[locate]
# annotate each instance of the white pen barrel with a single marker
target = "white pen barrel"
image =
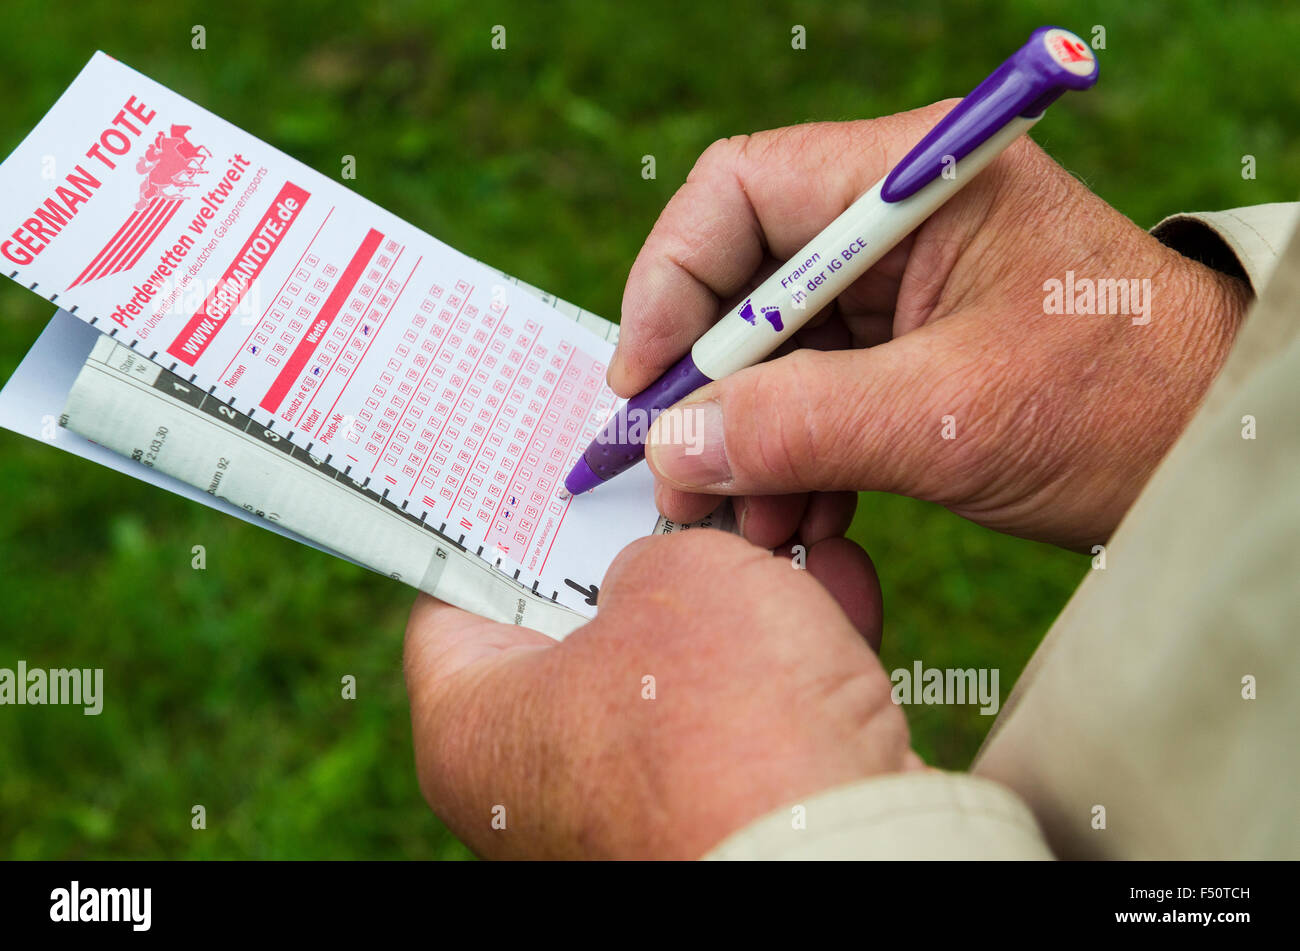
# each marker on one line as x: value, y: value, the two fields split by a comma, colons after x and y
x: 833, y: 260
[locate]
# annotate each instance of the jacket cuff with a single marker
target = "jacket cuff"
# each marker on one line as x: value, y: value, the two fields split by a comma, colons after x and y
x: 1243, y: 242
x: 925, y: 814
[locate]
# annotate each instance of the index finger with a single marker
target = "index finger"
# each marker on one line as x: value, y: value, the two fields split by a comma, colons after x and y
x: 746, y: 198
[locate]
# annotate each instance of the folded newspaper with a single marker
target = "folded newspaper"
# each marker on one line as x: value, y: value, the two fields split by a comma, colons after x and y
x: 238, y: 328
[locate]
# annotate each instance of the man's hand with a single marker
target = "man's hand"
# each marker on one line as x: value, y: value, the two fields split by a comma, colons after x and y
x: 765, y: 689
x: 1054, y: 422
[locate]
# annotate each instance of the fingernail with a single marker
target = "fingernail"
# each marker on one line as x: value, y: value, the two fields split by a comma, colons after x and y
x: 685, y: 445
x: 740, y: 507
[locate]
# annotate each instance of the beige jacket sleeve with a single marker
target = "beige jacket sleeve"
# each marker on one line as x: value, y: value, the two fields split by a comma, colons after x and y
x: 1156, y: 719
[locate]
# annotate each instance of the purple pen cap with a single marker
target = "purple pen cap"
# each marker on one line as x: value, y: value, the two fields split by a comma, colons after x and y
x: 1052, y: 62
x: 621, y: 444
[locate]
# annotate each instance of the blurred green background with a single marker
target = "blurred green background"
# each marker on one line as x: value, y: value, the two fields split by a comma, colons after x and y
x: 529, y: 159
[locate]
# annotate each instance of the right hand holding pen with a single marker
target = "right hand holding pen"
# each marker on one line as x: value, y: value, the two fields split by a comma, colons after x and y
x: 940, y: 374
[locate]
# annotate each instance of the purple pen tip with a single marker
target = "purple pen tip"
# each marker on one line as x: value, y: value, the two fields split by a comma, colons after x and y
x: 581, y: 479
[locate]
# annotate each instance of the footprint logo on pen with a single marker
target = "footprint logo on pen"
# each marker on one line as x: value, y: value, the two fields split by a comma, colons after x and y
x: 773, y: 315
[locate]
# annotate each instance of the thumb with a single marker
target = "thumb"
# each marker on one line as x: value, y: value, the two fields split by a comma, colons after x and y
x: 442, y: 642
x: 863, y: 420
x: 447, y: 655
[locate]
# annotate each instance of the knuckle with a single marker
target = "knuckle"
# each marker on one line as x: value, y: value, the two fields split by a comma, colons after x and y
x: 635, y: 556
x: 721, y: 154
x: 650, y: 334
x: 679, y: 561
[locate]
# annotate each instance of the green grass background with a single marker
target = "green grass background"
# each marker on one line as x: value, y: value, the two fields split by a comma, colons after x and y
x: 223, y: 685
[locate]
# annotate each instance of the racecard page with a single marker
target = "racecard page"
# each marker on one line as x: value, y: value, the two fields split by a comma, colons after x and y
x: 418, y: 374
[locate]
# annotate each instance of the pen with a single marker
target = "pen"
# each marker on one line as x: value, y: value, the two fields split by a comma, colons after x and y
x: 966, y: 140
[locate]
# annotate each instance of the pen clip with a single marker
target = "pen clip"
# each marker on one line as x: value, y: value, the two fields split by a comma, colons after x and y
x: 1053, y: 61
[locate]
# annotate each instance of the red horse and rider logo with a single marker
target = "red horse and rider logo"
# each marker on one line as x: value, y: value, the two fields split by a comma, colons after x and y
x: 170, y: 165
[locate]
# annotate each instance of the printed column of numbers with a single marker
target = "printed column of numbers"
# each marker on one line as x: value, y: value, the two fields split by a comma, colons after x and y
x: 289, y: 313
x: 438, y: 376
x: 469, y: 396
x: 558, y: 420
x: 398, y: 403
x: 473, y: 480
x: 351, y: 334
